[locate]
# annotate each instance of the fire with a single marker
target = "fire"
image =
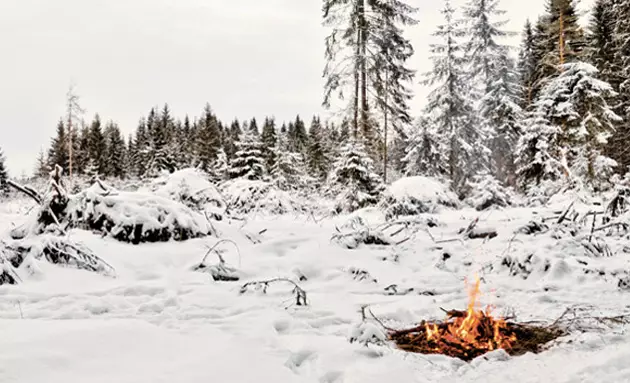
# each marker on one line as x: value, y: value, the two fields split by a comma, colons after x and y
x: 473, y: 329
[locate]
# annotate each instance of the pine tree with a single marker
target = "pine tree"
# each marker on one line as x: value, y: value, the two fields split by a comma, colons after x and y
x: 354, y: 179
x: 448, y: 105
x: 58, y: 154
x: 317, y: 157
x: 4, y: 176
x: 248, y: 161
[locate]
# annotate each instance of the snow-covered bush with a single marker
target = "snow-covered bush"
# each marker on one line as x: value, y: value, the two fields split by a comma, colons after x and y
x: 126, y: 216
x: 247, y: 196
x: 353, y: 180
x: 192, y: 188
x: 416, y: 195
x: 486, y: 191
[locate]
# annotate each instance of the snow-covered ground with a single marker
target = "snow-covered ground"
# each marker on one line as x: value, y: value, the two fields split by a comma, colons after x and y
x: 159, y: 321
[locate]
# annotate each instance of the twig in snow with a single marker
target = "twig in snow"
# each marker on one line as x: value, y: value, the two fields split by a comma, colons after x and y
x: 212, y: 249
x: 300, y: 294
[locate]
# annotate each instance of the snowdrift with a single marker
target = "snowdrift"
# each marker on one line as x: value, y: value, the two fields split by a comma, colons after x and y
x: 416, y: 195
x: 192, y: 188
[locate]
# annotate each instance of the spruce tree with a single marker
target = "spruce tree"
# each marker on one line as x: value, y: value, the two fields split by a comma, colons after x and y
x: 483, y: 51
x: 359, y: 26
x: 353, y: 179
x: 621, y: 42
x: 528, y: 62
x: 269, y: 140
x: 299, y: 137
x: 58, y: 153
x: 208, y: 140
x: 564, y: 38
x: 97, y: 147
x: 289, y: 170
x: 462, y: 145
x: 82, y: 154
x: 424, y: 154
x: 115, y: 152
x: 4, y: 175
x: 566, y: 135
x: 316, y: 153
x: 253, y: 127
x: 503, y: 114
x: 141, y: 149
x: 41, y: 166
x: 248, y: 161
x: 233, y: 135
x: 393, y: 79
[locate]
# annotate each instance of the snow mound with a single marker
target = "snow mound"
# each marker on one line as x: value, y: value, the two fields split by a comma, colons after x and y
x: 135, y: 217
x: 416, y: 195
x: 192, y: 188
x: 245, y: 196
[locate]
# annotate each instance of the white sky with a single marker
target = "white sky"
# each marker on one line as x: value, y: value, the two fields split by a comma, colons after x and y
x: 246, y: 57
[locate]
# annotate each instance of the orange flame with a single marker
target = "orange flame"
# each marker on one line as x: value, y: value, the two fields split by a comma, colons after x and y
x: 476, y: 329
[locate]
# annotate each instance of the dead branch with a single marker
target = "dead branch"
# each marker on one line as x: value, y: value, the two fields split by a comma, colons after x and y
x: 300, y: 294
x: 212, y: 249
x: 26, y: 190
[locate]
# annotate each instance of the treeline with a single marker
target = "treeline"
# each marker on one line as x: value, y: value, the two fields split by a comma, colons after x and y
x: 557, y: 113
x: 163, y: 143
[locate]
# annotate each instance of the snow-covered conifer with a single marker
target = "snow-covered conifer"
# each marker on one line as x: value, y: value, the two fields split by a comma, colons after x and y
x: 248, y: 161
x: 353, y: 179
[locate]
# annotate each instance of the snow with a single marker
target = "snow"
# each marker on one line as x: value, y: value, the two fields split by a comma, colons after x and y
x: 159, y: 321
x: 423, y: 189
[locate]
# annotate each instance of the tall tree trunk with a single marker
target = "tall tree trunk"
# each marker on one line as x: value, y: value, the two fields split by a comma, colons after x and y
x: 385, y: 129
x: 355, y: 102
x: 561, y: 39
x: 363, y: 67
x: 70, y: 142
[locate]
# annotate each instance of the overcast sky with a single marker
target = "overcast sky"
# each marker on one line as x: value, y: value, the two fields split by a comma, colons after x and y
x: 245, y: 57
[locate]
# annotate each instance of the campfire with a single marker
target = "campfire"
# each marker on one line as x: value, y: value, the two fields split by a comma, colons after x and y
x: 471, y: 333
